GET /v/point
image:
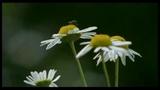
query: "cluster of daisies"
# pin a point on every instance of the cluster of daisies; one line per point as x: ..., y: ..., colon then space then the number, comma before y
x: 107, y: 48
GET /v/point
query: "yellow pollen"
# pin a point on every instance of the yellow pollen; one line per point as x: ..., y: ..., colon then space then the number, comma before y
x: 101, y: 40
x: 65, y: 29
x: 119, y: 38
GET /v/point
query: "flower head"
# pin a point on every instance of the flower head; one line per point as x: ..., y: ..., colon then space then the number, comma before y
x: 102, y: 43
x: 42, y: 79
x: 124, y: 50
x: 69, y: 33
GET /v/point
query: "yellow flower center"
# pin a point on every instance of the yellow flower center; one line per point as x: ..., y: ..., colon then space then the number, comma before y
x: 101, y: 40
x: 44, y: 83
x: 66, y: 29
x: 119, y: 38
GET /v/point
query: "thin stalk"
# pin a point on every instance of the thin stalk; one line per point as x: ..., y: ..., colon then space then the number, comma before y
x: 116, y: 72
x: 105, y: 71
x: 79, y: 64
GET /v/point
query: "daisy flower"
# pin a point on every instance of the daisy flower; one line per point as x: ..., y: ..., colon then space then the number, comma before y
x: 69, y: 33
x: 101, y: 43
x: 124, y: 51
x: 42, y: 79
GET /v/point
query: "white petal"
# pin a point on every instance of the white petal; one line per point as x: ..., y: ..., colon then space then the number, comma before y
x: 97, y: 49
x: 88, y: 33
x: 85, y: 50
x: 111, y: 54
x: 35, y: 77
x: 75, y: 30
x: 51, y: 74
x: 120, y: 43
x: 123, y: 60
x: 31, y: 83
x: 136, y: 53
x: 56, y: 78
x: 44, y: 74
x: 84, y: 43
x: 41, y: 75
x: 53, y: 85
x: 58, y: 35
x: 56, y: 41
x: 46, y: 42
x: 86, y: 37
x: 29, y: 79
x: 122, y: 54
x: 119, y: 49
x: 96, y: 56
x: 88, y: 29
x: 130, y: 57
x: 106, y: 57
x: 99, y: 60
x: 131, y: 53
x: 105, y: 49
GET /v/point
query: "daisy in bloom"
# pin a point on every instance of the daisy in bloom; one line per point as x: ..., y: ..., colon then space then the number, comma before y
x: 123, y: 51
x: 69, y: 33
x: 103, y: 45
x: 42, y: 79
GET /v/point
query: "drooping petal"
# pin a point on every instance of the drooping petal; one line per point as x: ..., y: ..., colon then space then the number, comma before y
x: 123, y: 60
x: 31, y: 83
x: 35, y: 76
x: 134, y: 52
x: 84, y: 43
x: 29, y: 79
x: 46, y: 42
x: 99, y: 60
x: 130, y: 57
x: 97, y: 49
x: 85, y: 50
x: 53, y: 43
x: 106, y: 56
x: 96, y: 56
x: 105, y: 49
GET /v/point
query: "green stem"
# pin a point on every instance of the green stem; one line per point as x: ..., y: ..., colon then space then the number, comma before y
x: 79, y: 64
x: 105, y: 71
x: 116, y: 72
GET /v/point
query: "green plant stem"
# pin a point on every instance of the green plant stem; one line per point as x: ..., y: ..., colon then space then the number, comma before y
x: 105, y: 70
x: 79, y: 64
x: 116, y: 72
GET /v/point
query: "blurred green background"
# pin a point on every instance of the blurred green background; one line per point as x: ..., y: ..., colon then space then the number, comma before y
x: 24, y: 25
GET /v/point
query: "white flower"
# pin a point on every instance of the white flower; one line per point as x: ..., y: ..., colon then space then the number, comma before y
x: 123, y: 51
x: 102, y: 43
x: 42, y: 79
x: 70, y: 32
